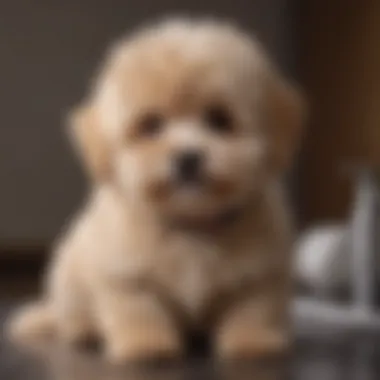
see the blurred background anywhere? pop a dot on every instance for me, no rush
(49, 50)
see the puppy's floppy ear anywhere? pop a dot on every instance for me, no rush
(285, 115)
(89, 142)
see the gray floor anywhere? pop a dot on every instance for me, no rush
(317, 358)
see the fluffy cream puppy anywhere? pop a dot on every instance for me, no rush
(186, 133)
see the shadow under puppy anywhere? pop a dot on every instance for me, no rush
(186, 134)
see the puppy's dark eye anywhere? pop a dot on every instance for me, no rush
(219, 119)
(150, 125)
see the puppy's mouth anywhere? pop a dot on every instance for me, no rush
(191, 182)
(200, 186)
(164, 189)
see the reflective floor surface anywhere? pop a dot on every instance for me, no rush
(321, 357)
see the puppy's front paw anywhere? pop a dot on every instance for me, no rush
(140, 344)
(32, 322)
(239, 342)
(76, 332)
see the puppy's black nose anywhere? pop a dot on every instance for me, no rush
(188, 165)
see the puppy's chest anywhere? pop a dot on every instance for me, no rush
(195, 271)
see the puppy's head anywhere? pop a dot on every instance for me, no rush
(190, 117)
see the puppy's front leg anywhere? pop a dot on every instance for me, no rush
(256, 326)
(136, 326)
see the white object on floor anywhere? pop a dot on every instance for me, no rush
(362, 313)
(322, 259)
